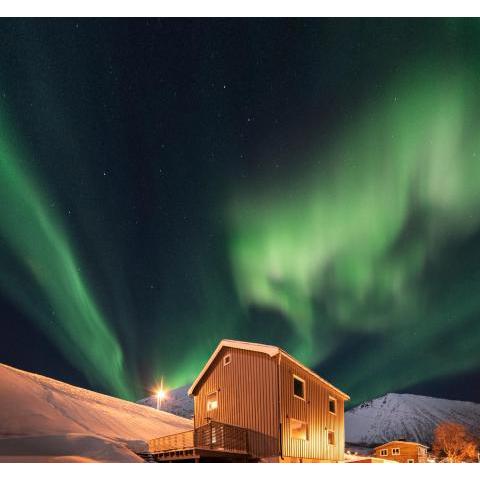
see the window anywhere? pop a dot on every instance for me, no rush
(212, 401)
(410, 460)
(395, 451)
(298, 429)
(226, 360)
(298, 387)
(332, 405)
(331, 437)
(383, 452)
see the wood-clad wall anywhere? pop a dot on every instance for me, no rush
(247, 397)
(413, 451)
(314, 411)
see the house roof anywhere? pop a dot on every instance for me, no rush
(400, 441)
(270, 350)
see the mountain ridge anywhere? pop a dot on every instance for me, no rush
(406, 416)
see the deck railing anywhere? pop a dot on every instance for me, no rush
(212, 436)
(176, 441)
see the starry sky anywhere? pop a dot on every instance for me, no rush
(310, 183)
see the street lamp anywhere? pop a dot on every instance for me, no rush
(160, 396)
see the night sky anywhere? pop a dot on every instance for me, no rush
(314, 184)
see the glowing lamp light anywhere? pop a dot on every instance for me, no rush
(161, 394)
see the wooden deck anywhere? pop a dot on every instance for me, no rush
(212, 442)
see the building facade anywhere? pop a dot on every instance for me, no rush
(402, 451)
(289, 413)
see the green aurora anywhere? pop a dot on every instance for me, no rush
(151, 207)
(36, 238)
(342, 247)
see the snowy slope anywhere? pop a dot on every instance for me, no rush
(177, 402)
(42, 418)
(406, 416)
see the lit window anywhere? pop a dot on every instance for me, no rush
(332, 405)
(410, 460)
(395, 451)
(212, 401)
(226, 360)
(383, 452)
(298, 429)
(298, 387)
(331, 437)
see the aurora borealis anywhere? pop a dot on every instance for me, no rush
(313, 184)
(36, 240)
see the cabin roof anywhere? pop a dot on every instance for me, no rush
(400, 441)
(270, 350)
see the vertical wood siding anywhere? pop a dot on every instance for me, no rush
(247, 397)
(407, 451)
(314, 411)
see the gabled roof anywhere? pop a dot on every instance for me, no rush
(270, 350)
(400, 441)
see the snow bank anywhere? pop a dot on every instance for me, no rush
(42, 418)
(64, 448)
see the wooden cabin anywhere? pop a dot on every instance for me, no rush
(256, 402)
(402, 451)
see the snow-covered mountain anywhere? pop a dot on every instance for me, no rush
(406, 416)
(42, 419)
(177, 402)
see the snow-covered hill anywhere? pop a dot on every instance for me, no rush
(177, 402)
(47, 420)
(406, 416)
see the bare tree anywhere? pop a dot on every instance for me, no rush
(454, 444)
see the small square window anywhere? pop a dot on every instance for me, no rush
(298, 387)
(298, 429)
(383, 452)
(331, 437)
(332, 405)
(212, 401)
(395, 451)
(226, 360)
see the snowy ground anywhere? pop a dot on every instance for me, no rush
(42, 419)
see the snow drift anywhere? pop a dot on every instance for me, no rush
(405, 416)
(42, 419)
